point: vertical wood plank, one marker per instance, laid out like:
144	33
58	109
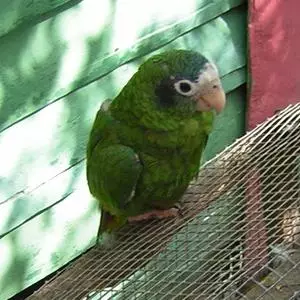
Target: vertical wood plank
274	30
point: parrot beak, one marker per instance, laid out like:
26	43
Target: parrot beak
214	100
210	93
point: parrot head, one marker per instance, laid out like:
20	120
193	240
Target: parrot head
185	81
172	85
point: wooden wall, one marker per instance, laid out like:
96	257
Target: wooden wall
58	61
274	29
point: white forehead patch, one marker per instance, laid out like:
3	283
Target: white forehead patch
208	73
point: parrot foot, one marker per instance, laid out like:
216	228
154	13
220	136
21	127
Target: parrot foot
156	214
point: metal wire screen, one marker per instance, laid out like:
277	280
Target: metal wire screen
238	238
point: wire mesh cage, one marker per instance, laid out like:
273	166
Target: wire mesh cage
238	238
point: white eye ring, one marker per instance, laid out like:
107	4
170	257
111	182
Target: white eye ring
185	87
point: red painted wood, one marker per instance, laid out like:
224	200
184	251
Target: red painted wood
274	44
256	251
274	63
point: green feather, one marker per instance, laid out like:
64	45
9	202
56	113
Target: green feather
142	155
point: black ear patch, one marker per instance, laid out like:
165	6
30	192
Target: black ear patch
165	93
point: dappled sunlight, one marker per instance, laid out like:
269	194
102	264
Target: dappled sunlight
15	264
90	218
24	60
78	202
10	12
217	41
37	51
15	211
133	17
48	143
85	20
21	13
2	94
10	154
59	238
220	48
55	51
75	31
120	78
104	88
114	291
35	134
216	46
56	136
54	77
6	257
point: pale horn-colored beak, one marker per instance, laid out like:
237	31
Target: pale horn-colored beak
214	100
210	93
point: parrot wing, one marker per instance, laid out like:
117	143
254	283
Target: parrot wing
113	170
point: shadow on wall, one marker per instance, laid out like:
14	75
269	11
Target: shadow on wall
38	67
34	64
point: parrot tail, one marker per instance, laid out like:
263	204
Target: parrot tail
108	222
108	225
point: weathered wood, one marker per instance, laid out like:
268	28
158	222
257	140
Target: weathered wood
42	176
274	28
48	104
202	252
42	63
48	241
49	226
229	125
15	13
27	205
54	138
165	258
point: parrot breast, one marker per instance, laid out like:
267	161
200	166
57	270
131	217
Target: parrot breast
170	161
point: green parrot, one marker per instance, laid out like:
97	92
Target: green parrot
145	145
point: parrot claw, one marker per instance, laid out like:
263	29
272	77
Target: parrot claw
156	214
179	207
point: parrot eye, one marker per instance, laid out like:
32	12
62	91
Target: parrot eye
185	87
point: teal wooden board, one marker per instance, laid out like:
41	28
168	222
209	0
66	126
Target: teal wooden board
63	229
48	241
15	13
54	138
229	125
45	62
53	78
48	190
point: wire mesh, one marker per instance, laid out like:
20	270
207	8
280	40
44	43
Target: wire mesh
238	238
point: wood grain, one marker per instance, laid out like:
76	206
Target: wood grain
42	63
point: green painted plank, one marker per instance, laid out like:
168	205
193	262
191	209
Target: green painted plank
17	210
36	169
53	139
47	242
15	13
229	125
42	63
62	231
